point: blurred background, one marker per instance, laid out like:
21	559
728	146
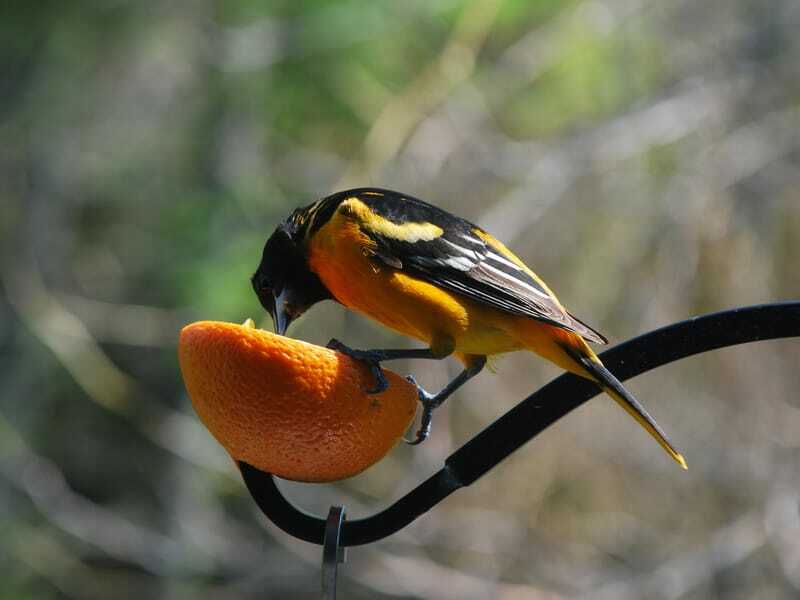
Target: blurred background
641	156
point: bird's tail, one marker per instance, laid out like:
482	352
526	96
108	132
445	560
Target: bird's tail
570	351
612	386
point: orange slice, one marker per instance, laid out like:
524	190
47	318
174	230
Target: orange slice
290	408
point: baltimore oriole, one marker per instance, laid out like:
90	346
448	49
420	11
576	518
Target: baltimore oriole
433	276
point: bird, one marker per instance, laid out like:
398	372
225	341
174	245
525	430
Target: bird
427	274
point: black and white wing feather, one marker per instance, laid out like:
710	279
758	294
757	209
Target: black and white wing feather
462	258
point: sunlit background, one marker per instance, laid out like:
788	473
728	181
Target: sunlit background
642	156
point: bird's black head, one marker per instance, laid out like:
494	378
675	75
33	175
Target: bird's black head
283	281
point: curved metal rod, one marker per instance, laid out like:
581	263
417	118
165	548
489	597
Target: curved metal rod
531	416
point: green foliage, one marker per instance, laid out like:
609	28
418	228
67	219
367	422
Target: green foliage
596	77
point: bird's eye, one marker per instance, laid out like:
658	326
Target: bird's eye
260	283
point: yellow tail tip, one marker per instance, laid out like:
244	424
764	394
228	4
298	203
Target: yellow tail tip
680	460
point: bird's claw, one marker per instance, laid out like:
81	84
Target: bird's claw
429	403
425	397
369	358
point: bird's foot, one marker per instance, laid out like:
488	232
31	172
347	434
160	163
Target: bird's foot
371	358
429	402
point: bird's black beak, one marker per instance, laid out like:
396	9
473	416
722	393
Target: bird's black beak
274	303
280	317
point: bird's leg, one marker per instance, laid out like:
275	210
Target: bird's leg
430	402
374	358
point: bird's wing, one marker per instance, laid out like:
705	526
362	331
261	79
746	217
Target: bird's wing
435	246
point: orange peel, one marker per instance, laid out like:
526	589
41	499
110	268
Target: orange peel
287	407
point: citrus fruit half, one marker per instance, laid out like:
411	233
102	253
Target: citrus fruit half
290	408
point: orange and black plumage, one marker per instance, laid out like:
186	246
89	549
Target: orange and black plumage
433	276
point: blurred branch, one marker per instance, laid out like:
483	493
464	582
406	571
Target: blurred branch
425	578
105	384
675	578
130	324
545	172
56	563
750	148
67	337
210	538
44	483
521	64
398	119
466	118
